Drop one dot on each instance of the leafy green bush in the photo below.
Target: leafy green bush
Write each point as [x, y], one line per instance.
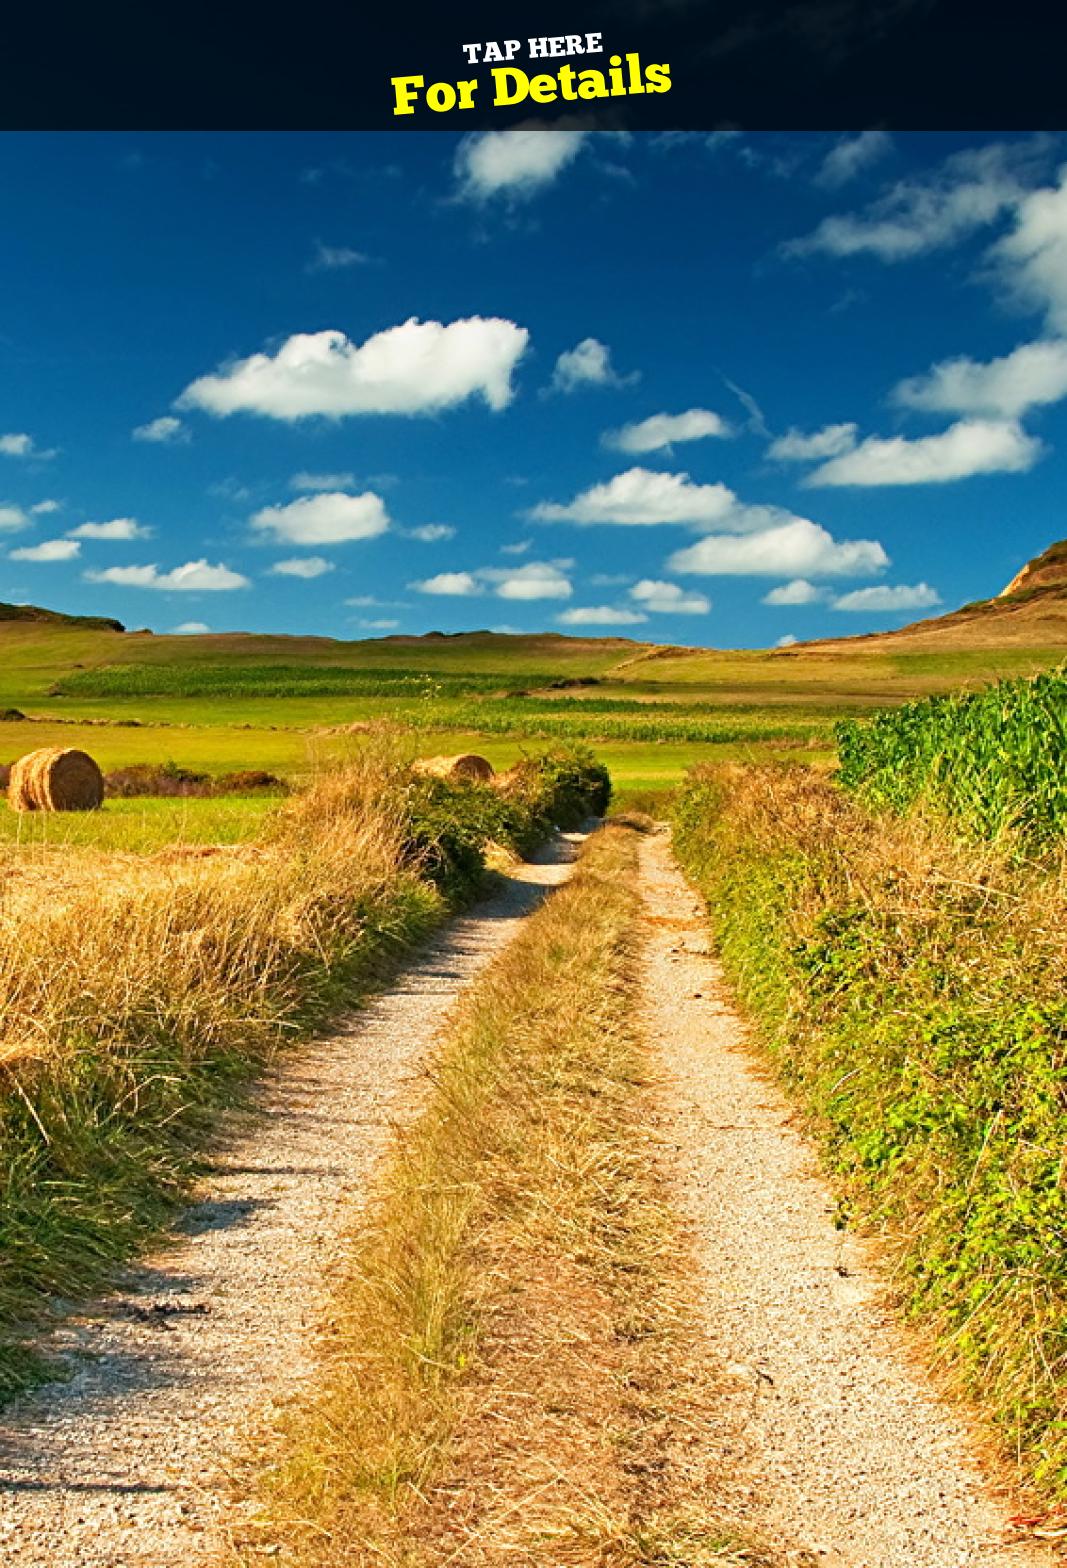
[451, 824]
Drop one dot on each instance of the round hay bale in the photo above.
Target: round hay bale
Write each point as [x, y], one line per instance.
[55, 778]
[468, 765]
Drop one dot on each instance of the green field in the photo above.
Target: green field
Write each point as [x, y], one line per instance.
[291, 705]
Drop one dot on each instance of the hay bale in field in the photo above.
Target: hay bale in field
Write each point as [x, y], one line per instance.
[55, 778]
[468, 765]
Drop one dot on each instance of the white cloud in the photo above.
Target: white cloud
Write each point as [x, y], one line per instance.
[306, 481]
[799, 591]
[536, 580]
[830, 441]
[884, 597]
[791, 549]
[515, 163]
[600, 615]
[19, 444]
[116, 528]
[12, 518]
[661, 431]
[924, 213]
[516, 549]
[641, 497]
[588, 364]
[192, 577]
[1032, 375]
[431, 533]
[668, 598]
[190, 628]
[851, 156]
[46, 508]
[460, 585]
[383, 624]
[369, 601]
[1032, 260]
[48, 550]
[787, 641]
[420, 367]
[303, 566]
[161, 431]
[971, 446]
[335, 258]
[329, 517]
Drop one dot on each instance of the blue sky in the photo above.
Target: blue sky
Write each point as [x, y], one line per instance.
[366, 383]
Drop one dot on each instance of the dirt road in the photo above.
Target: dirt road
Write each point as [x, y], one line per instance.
[125, 1466]
[864, 1465]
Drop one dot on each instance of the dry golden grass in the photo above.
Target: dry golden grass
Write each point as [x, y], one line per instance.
[511, 1373]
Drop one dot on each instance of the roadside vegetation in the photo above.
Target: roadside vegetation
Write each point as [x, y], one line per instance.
[511, 1372]
[991, 763]
[911, 987]
[137, 996]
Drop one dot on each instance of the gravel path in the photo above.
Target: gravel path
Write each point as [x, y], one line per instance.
[125, 1466]
[861, 1461]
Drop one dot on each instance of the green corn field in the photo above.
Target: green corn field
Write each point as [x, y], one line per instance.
[993, 762]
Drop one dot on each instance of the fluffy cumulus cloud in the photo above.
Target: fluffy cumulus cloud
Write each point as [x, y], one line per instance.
[302, 566]
[536, 580]
[793, 549]
[601, 615]
[830, 441]
[420, 367]
[660, 432]
[969, 447]
[641, 497]
[668, 598]
[588, 364]
[884, 597]
[48, 550]
[851, 157]
[458, 585]
[924, 213]
[1032, 375]
[799, 591]
[1032, 259]
[328, 517]
[192, 577]
[19, 444]
[115, 528]
[164, 431]
[431, 533]
[514, 164]
[12, 518]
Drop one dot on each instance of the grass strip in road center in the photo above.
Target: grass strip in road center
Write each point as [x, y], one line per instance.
[510, 1371]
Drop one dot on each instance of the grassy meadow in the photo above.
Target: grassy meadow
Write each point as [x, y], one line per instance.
[292, 705]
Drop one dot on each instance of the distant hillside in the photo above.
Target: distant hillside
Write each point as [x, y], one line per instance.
[1030, 612]
[39, 616]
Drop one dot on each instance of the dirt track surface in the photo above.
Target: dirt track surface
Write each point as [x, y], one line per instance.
[125, 1466]
[861, 1463]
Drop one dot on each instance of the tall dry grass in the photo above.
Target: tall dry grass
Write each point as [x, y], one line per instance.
[132, 1005]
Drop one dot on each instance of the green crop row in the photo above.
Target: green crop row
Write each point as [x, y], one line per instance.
[991, 761]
